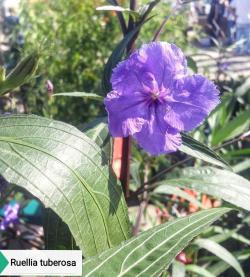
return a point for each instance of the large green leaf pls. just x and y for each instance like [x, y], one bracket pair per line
[199, 150]
[233, 128]
[68, 172]
[220, 252]
[216, 182]
[149, 253]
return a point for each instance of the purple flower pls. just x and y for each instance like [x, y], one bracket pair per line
[153, 99]
[10, 216]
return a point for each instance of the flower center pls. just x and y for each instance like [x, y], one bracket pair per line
[155, 95]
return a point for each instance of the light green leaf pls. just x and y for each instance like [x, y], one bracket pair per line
[201, 271]
[67, 171]
[242, 166]
[219, 267]
[171, 190]
[243, 89]
[97, 130]
[178, 269]
[220, 252]
[198, 150]
[88, 95]
[233, 128]
[216, 182]
[151, 252]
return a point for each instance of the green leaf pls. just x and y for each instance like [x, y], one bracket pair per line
[59, 236]
[98, 131]
[21, 74]
[198, 150]
[116, 57]
[243, 89]
[219, 267]
[192, 64]
[201, 271]
[67, 171]
[88, 95]
[224, 234]
[241, 153]
[242, 166]
[216, 182]
[220, 252]
[233, 128]
[178, 269]
[151, 252]
[165, 189]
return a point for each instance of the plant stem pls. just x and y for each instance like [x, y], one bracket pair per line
[166, 170]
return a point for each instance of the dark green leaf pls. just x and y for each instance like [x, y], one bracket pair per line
[56, 232]
[116, 57]
[198, 150]
[192, 64]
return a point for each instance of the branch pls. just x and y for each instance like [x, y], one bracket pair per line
[146, 186]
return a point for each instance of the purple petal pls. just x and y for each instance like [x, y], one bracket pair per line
[195, 97]
[156, 137]
[164, 61]
[126, 114]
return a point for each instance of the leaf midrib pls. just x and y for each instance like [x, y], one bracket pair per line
[89, 190]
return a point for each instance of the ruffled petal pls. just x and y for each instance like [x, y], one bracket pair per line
[164, 61]
[156, 137]
[126, 115]
[194, 98]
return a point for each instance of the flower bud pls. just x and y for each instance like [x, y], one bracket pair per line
[20, 74]
[50, 88]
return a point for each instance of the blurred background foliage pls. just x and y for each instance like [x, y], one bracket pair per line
[76, 41]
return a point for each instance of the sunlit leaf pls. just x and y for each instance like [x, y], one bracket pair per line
[88, 95]
[221, 252]
[165, 189]
[200, 151]
[68, 172]
[216, 182]
[201, 271]
[152, 251]
[233, 128]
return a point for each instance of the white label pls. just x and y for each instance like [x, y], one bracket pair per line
[41, 262]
